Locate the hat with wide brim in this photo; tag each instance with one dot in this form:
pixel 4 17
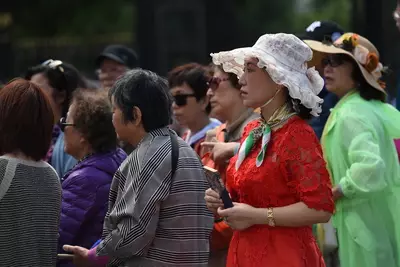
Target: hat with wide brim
pixel 371 77
pixel 284 57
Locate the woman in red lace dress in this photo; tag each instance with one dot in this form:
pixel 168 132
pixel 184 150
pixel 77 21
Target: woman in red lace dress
pixel 278 179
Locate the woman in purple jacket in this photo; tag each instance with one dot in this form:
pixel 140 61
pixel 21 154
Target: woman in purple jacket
pixel 91 139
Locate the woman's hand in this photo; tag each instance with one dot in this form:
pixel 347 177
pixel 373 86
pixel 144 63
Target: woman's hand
pixel 80 255
pixel 213 200
pixel 337 193
pixel 239 217
pixel 221 152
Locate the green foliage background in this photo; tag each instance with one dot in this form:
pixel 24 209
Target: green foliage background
pixel 87 19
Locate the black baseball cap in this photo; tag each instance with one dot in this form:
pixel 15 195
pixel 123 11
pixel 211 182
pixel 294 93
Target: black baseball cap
pixel 322 31
pixel 120 54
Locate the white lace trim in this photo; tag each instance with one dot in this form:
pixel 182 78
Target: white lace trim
pixel 284 58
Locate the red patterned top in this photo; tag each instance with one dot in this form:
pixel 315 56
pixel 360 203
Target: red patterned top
pixel 293 171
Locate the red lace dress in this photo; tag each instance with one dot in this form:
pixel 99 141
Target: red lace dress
pixel 293 170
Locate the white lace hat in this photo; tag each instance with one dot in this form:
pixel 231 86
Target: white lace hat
pixel 284 56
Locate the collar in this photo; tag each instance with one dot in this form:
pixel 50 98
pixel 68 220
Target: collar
pixel 192 139
pixel 238 122
pixel 330 123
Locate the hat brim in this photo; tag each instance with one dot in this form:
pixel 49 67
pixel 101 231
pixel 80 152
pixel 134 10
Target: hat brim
pixel 303 36
pixel 103 56
pixel 331 49
pixel 297 83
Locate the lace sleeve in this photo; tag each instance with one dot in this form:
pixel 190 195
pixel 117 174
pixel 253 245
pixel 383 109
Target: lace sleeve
pixel 306 168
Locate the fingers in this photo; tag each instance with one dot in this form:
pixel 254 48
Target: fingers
pixel 213 203
pixel 76 250
pixel 69 248
pixel 213 206
pixel 212 193
pixel 208 144
pixel 224 212
pixel 213 200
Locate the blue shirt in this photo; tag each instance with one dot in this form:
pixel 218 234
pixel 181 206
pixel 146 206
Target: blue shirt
pixel 318 123
pixel 61 161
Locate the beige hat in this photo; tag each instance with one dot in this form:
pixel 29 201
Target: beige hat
pixel 361 50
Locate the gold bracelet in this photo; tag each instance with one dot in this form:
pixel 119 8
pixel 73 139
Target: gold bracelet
pixel 270 217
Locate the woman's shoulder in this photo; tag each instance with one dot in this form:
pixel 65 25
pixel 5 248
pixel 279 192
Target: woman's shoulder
pixel 25 169
pixel 252 124
pixel 297 130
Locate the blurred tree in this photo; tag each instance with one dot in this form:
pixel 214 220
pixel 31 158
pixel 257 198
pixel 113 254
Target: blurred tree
pixel 48 18
pixel 256 17
pixel 335 10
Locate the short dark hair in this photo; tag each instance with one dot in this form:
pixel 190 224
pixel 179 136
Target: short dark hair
pixel 302 111
pixel 65 78
pixel 92 117
pixel 147 91
pixel 26 120
pixel 196 76
pixel 367 91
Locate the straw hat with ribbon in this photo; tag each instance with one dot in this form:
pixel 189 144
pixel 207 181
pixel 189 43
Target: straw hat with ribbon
pixel 361 50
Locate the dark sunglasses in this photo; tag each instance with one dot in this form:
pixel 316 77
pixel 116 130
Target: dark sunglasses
pixel 333 61
pixel 64 123
pixel 214 82
pixel 181 100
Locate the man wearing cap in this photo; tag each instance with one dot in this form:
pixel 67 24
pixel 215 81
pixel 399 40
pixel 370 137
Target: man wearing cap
pixel 113 62
pixel 321 31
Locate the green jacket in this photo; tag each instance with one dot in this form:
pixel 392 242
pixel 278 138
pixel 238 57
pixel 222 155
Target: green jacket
pixel 361 157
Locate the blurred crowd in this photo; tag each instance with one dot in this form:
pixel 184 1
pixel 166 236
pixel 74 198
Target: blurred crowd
pixel 296 130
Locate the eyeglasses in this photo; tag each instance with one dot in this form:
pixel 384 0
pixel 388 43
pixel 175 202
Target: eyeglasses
pixel 214 82
pixel 64 123
pixel 333 61
pixel 54 64
pixel 181 100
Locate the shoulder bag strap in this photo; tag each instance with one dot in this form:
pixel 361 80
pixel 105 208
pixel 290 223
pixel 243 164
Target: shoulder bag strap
pixel 174 152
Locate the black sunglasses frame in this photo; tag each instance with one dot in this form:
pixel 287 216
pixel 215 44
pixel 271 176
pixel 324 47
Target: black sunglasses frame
pixel 64 123
pixel 333 61
pixel 181 99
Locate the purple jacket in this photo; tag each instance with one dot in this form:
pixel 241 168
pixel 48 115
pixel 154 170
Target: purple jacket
pixel 85 191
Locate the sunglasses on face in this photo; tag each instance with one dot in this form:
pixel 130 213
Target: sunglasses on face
pixel 214 82
pixel 333 61
pixel 181 100
pixel 64 123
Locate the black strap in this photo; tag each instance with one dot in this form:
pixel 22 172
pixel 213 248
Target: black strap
pixel 175 152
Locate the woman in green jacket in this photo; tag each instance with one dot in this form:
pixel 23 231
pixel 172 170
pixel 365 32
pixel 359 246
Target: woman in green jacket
pixel 360 153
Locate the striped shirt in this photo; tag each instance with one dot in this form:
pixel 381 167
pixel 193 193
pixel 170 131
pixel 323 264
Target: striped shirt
pixel 154 219
pixel 29 214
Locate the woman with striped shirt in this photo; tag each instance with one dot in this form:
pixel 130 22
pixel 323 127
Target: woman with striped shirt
pixel 157 214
